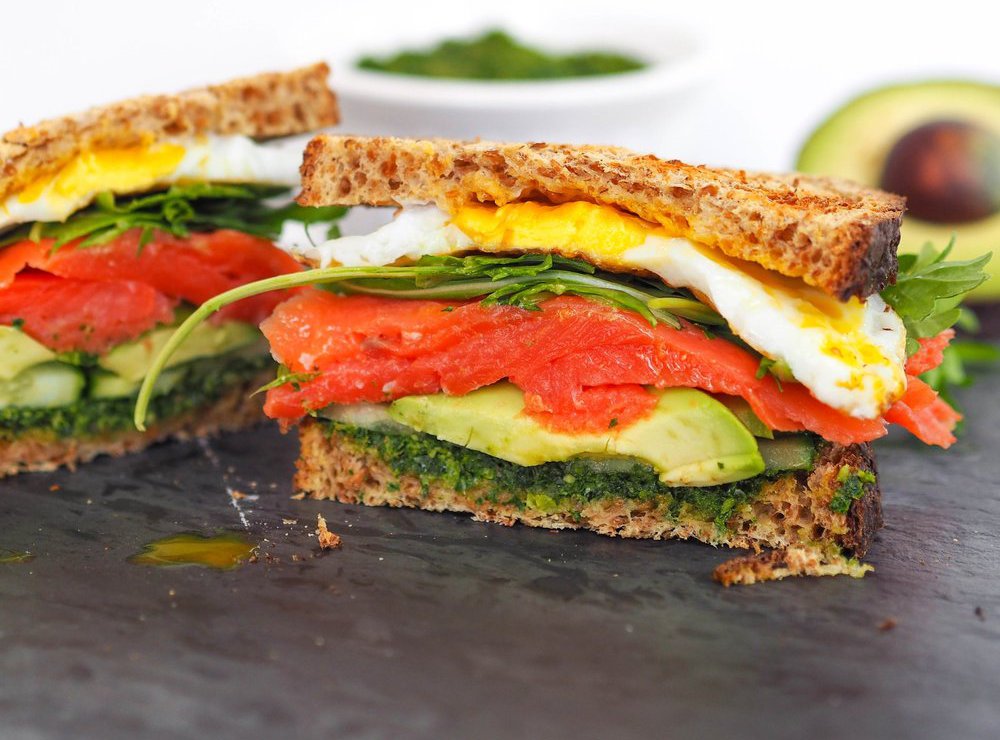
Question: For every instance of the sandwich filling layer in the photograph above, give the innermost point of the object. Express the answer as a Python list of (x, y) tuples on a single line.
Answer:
[(208, 158), (541, 333), (87, 302), (850, 355)]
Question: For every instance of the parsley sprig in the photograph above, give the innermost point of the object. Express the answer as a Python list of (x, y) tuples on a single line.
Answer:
[(179, 210)]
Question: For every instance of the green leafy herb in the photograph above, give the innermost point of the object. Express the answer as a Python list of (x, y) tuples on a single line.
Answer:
[(285, 377), (179, 210), (766, 363), (928, 291), (778, 369), (527, 280), (960, 356)]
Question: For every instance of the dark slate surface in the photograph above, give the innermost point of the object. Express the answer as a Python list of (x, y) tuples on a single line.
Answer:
[(434, 626)]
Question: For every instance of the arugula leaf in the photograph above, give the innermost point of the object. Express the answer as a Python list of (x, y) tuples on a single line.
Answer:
[(928, 291), (527, 280), (284, 377), (179, 210)]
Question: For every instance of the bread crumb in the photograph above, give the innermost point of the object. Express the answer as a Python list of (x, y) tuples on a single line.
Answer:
[(887, 624), (54, 487), (238, 495), (327, 539), (289, 521), (298, 496)]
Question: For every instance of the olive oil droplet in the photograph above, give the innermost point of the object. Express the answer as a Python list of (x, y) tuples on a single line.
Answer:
[(14, 556), (222, 551)]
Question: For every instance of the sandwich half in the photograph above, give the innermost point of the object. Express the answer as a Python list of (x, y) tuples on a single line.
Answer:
[(115, 224), (583, 337)]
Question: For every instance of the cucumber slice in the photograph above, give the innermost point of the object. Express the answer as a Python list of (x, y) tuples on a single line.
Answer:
[(47, 385), (105, 384), (742, 411), (18, 352), (794, 452)]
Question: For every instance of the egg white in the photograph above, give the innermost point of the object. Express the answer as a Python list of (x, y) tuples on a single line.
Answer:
[(236, 159), (850, 358)]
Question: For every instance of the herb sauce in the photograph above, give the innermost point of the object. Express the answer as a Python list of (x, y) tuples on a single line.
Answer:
[(495, 55)]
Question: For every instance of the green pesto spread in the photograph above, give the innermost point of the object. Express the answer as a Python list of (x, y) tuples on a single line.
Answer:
[(495, 55), (853, 483), (203, 382), (550, 487)]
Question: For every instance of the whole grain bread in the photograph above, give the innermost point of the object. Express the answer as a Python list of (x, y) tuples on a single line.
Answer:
[(835, 235), (264, 106), (792, 515), (41, 451)]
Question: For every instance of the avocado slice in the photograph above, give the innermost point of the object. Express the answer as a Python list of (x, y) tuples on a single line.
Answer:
[(18, 352), (131, 360), (862, 138), (690, 438)]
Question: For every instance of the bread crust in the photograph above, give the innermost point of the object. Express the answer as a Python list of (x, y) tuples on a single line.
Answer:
[(791, 511), (45, 452), (835, 235), (263, 106)]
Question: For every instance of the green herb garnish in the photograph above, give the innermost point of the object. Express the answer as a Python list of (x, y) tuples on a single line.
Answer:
[(527, 280), (928, 291), (958, 358), (285, 377), (179, 210), (496, 56)]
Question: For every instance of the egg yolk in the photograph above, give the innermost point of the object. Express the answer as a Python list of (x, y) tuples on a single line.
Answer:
[(601, 233), (122, 170)]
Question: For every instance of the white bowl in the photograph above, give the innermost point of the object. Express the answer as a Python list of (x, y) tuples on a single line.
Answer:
[(639, 109)]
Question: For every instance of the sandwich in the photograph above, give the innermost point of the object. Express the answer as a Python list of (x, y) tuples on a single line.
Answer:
[(586, 338), (115, 224)]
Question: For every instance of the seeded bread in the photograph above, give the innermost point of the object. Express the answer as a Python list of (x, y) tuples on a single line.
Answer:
[(43, 452), (263, 106), (791, 517), (836, 235)]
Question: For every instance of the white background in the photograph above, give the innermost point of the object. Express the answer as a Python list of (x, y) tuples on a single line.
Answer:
[(783, 64)]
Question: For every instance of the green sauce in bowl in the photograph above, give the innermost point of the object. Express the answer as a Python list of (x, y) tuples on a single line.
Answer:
[(497, 56)]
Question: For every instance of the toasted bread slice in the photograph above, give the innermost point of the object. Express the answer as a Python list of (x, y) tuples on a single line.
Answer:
[(791, 515), (41, 451), (263, 106), (835, 235)]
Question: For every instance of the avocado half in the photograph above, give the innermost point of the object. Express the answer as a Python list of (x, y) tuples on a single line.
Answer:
[(861, 138)]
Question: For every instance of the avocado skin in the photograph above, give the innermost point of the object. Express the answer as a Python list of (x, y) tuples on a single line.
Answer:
[(567, 485), (204, 382), (854, 142)]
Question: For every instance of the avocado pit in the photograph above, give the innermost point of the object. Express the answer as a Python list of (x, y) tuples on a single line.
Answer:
[(949, 171)]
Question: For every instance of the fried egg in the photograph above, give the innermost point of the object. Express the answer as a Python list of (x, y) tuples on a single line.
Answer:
[(850, 355), (140, 168)]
